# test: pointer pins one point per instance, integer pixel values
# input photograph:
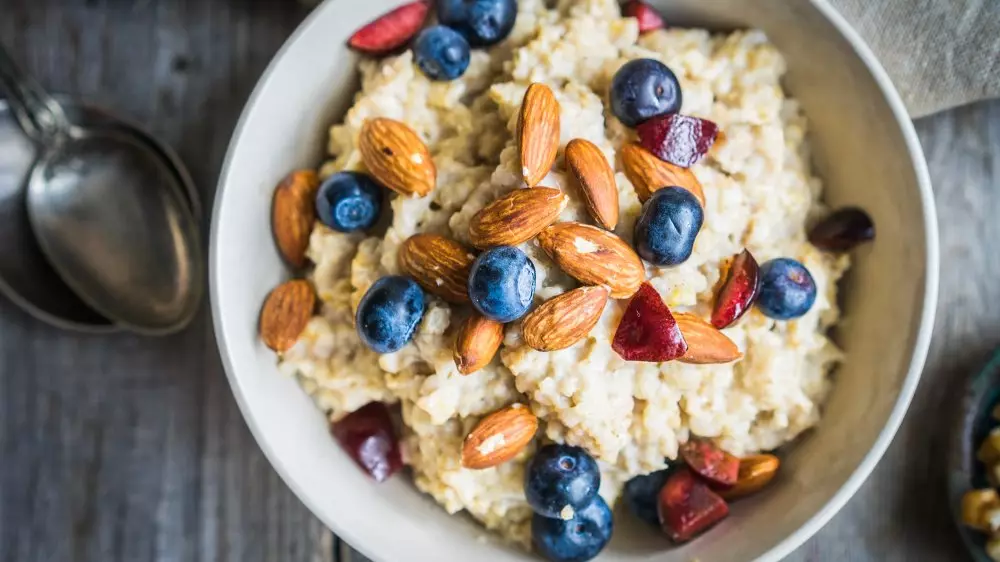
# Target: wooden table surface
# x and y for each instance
(126, 449)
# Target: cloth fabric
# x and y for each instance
(939, 53)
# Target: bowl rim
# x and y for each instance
(921, 342)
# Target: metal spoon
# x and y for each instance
(109, 213)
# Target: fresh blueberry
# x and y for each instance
(642, 89)
(787, 289)
(482, 22)
(560, 480)
(389, 313)
(667, 226)
(576, 540)
(502, 283)
(642, 493)
(349, 201)
(441, 53)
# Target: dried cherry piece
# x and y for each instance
(710, 462)
(648, 331)
(842, 230)
(688, 507)
(369, 437)
(649, 19)
(391, 30)
(738, 292)
(678, 139)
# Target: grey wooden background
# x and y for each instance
(124, 449)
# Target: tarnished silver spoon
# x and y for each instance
(109, 213)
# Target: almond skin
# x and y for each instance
(516, 217)
(597, 181)
(648, 173)
(706, 344)
(396, 157)
(440, 265)
(293, 214)
(476, 342)
(564, 320)
(594, 257)
(538, 133)
(499, 437)
(286, 312)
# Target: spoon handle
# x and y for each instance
(41, 116)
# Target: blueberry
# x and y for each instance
(667, 226)
(787, 289)
(349, 201)
(502, 283)
(389, 313)
(642, 89)
(642, 493)
(561, 477)
(441, 53)
(577, 540)
(482, 22)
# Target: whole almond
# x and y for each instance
(476, 342)
(648, 173)
(286, 312)
(293, 214)
(440, 265)
(538, 133)
(594, 257)
(499, 437)
(396, 157)
(516, 217)
(564, 320)
(597, 181)
(706, 344)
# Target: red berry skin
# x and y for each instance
(678, 139)
(687, 506)
(738, 292)
(392, 30)
(649, 19)
(368, 435)
(648, 331)
(710, 462)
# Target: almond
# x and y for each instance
(499, 437)
(440, 265)
(706, 344)
(286, 312)
(597, 181)
(564, 320)
(396, 157)
(476, 342)
(648, 173)
(293, 214)
(516, 217)
(594, 257)
(538, 133)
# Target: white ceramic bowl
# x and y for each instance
(865, 150)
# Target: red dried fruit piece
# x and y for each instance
(710, 462)
(678, 139)
(369, 437)
(391, 30)
(648, 331)
(842, 230)
(688, 507)
(649, 18)
(738, 292)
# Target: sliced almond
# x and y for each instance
(594, 257)
(538, 133)
(476, 342)
(286, 312)
(396, 157)
(564, 320)
(648, 173)
(597, 181)
(706, 344)
(516, 217)
(499, 437)
(293, 214)
(440, 265)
